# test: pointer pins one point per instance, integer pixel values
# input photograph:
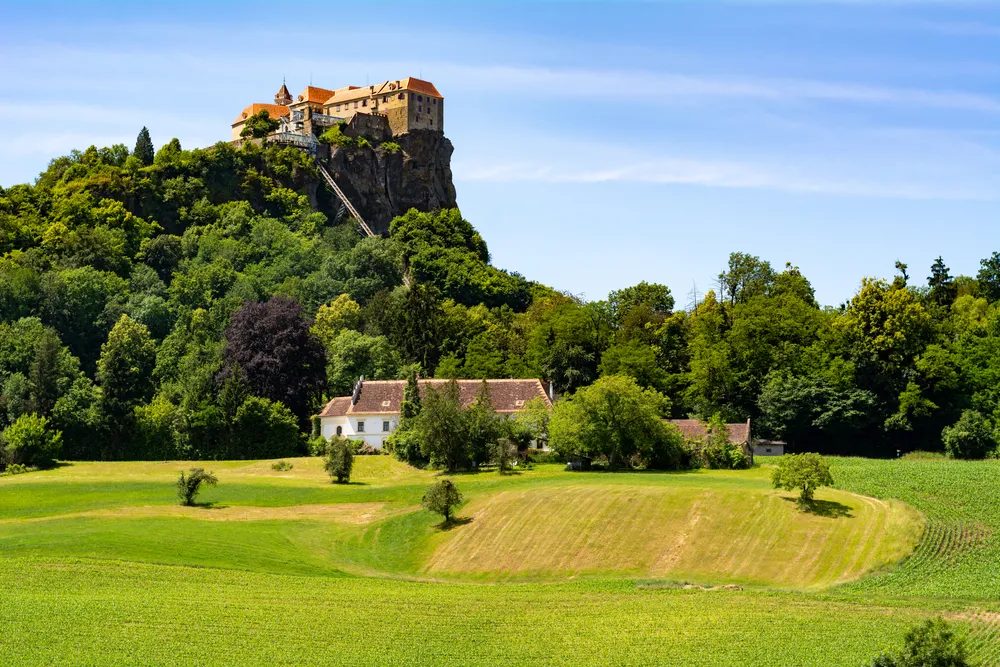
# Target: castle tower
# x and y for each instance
(283, 97)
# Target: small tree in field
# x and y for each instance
(189, 486)
(930, 644)
(339, 460)
(805, 472)
(443, 498)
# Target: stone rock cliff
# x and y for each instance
(382, 185)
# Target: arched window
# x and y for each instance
(340, 430)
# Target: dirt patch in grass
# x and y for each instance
(348, 513)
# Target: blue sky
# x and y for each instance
(596, 144)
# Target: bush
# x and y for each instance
(339, 459)
(443, 498)
(805, 472)
(188, 487)
(31, 442)
(930, 644)
(971, 437)
(335, 136)
(391, 147)
(545, 456)
(16, 469)
(317, 446)
(264, 429)
(282, 466)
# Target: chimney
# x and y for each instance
(357, 390)
(552, 396)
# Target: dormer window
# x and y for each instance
(518, 403)
(386, 404)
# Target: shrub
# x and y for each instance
(930, 644)
(30, 442)
(971, 437)
(805, 472)
(335, 137)
(391, 147)
(317, 446)
(188, 487)
(339, 459)
(282, 466)
(443, 498)
(16, 469)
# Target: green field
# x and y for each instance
(99, 565)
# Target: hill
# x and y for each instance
(277, 559)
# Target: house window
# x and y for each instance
(340, 430)
(767, 450)
(361, 426)
(385, 426)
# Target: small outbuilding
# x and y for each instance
(769, 448)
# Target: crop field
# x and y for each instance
(100, 566)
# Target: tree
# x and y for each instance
(534, 417)
(339, 459)
(745, 277)
(504, 453)
(443, 498)
(989, 277)
(144, 148)
(259, 125)
(441, 429)
(331, 319)
(281, 359)
(932, 643)
(613, 418)
(31, 441)
(943, 290)
(805, 472)
(653, 297)
(188, 487)
(263, 429)
(971, 437)
(125, 373)
(482, 426)
(404, 442)
(352, 354)
(718, 451)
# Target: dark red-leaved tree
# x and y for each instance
(279, 357)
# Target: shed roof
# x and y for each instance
(695, 429)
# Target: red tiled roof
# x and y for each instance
(421, 86)
(313, 94)
(694, 429)
(385, 396)
(273, 110)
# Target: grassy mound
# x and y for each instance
(688, 532)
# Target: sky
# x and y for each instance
(597, 144)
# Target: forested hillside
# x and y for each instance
(195, 304)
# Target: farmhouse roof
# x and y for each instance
(386, 396)
(273, 110)
(695, 429)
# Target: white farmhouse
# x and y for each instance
(371, 413)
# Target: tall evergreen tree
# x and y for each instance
(144, 147)
(941, 283)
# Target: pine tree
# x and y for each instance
(941, 283)
(144, 147)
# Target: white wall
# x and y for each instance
(373, 433)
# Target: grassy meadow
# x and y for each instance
(99, 565)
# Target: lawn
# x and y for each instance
(99, 565)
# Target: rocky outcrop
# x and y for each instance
(383, 183)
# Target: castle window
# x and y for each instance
(385, 99)
(435, 100)
(355, 105)
(402, 96)
(364, 103)
(420, 108)
(419, 98)
(432, 122)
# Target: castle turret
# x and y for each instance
(283, 97)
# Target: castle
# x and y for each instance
(404, 104)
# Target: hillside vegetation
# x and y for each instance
(202, 305)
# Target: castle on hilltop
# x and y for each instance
(397, 107)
